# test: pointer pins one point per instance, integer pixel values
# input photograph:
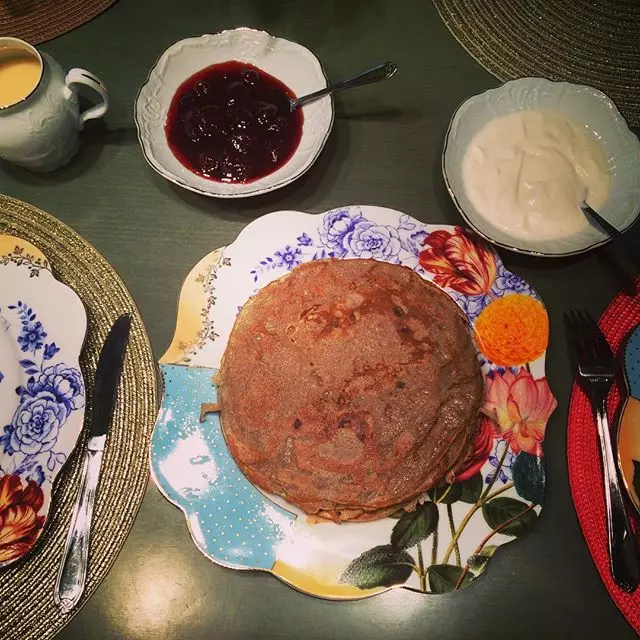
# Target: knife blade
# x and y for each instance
(107, 375)
(72, 575)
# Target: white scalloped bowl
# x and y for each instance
(581, 104)
(288, 61)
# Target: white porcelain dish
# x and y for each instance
(581, 104)
(288, 61)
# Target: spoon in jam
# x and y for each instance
(375, 74)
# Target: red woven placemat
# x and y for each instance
(585, 468)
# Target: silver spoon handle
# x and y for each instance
(618, 239)
(375, 74)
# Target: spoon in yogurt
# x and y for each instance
(375, 74)
(618, 239)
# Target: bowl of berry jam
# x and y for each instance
(214, 117)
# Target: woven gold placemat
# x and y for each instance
(27, 609)
(40, 20)
(592, 42)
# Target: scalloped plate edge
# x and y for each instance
(186, 336)
(18, 248)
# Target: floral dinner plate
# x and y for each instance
(448, 540)
(42, 329)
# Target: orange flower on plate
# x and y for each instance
(459, 261)
(519, 407)
(513, 330)
(20, 524)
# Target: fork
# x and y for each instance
(596, 369)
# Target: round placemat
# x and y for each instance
(36, 22)
(580, 41)
(583, 453)
(26, 588)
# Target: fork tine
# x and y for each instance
(590, 323)
(570, 321)
(585, 329)
(576, 334)
(578, 326)
(603, 350)
(590, 344)
(595, 329)
(584, 337)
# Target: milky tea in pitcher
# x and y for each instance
(20, 73)
(40, 118)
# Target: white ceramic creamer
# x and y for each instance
(40, 130)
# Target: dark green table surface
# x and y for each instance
(385, 149)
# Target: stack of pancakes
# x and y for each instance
(350, 387)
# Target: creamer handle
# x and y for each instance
(81, 76)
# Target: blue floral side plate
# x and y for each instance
(42, 393)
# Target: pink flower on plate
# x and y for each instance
(519, 407)
(482, 447)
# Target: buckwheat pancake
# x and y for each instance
(349, 387)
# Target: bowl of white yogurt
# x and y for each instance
(519, 159)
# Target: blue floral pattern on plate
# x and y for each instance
(53, 391)
(347, 233)
(42, 393)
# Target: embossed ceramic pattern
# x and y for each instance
(495, 499)
(581, 104)
(41, 132)
(42, 393)
(291, 63)
(629, 430)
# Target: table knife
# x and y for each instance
(73, 569)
